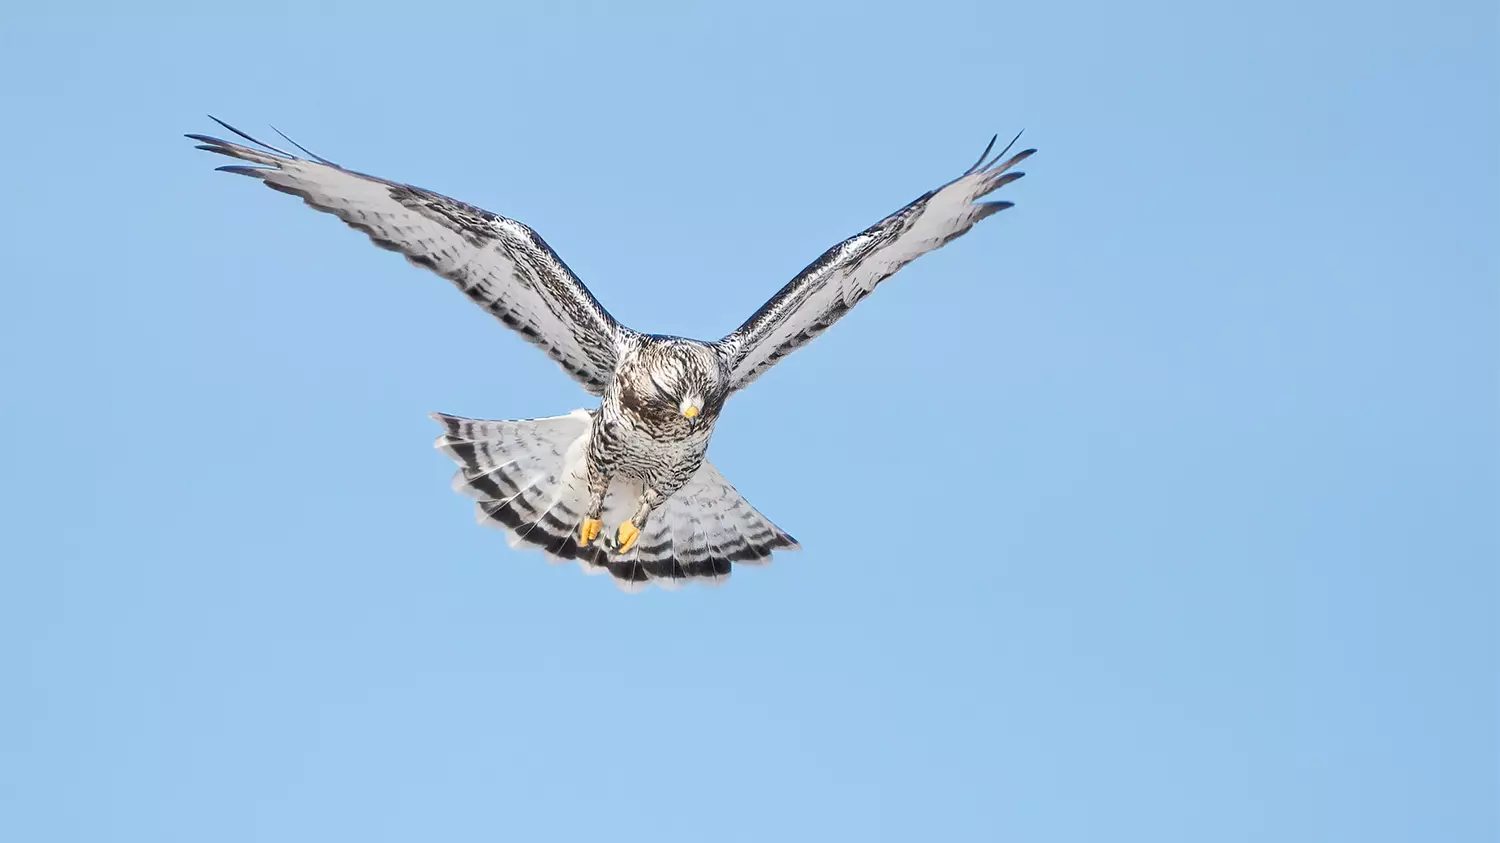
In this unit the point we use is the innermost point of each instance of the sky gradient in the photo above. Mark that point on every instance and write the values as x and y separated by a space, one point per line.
1214 407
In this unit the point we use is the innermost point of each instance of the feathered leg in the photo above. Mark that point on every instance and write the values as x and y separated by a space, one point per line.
630 530
598 488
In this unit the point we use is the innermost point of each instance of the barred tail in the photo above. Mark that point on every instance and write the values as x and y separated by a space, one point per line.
530 480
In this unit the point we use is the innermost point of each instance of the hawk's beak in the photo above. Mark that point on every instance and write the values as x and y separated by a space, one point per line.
691 412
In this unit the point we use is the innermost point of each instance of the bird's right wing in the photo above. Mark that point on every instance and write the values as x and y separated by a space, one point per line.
501 264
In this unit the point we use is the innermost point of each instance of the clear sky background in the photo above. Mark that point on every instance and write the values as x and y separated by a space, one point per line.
1214 407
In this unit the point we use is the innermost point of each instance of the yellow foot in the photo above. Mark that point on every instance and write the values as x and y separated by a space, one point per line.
589 530
627 536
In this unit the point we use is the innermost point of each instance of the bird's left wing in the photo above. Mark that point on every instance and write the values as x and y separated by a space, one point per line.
848 272
501 264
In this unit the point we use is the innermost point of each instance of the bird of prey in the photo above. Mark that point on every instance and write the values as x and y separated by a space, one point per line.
636 460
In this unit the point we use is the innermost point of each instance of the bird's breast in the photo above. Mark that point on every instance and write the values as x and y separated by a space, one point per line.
641 447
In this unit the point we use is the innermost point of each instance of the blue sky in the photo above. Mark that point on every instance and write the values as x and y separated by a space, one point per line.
1213 410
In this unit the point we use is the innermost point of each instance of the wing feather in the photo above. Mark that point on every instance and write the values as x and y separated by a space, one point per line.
499 263
849 271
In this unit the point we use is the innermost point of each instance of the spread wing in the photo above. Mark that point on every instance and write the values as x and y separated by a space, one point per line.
504 266
835 282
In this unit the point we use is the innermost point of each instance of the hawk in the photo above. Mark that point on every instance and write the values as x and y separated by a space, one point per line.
636 461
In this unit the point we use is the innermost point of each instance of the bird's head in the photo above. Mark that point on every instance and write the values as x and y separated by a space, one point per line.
676 380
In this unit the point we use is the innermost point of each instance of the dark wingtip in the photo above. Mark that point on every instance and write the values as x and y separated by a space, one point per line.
987 208
232 129
259 143
305 151
1001 154
983 155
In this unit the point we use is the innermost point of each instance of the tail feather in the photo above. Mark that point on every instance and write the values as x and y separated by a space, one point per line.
529 479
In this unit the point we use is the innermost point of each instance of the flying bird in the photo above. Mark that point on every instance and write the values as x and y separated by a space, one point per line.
635 462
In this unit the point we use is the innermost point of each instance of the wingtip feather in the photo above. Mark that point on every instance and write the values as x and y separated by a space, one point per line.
260 143
983 155
305 151
988 208
241 170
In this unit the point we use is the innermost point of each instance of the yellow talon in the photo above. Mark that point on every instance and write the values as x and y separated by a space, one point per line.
589 530
627 536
